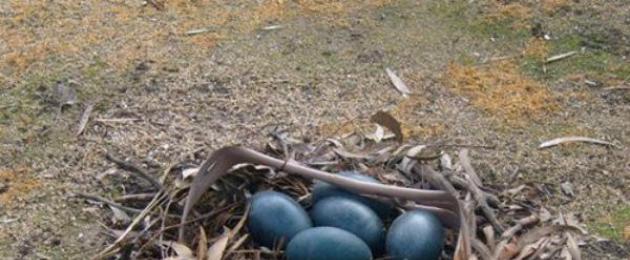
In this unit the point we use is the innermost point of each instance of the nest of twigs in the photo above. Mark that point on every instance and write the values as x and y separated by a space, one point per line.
197 209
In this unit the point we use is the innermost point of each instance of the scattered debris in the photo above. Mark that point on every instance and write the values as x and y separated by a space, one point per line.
385 119
567 189
560 56
398 83
378 134
618 88
84 118
273 27
215 252
571 139
182 251
198 31
190 172
593 83
5 220
156 4
457 196
120 217
65 95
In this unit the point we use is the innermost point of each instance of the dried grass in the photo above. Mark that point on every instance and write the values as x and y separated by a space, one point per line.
536 48
501 90
551 6
19 185
497 11
120 33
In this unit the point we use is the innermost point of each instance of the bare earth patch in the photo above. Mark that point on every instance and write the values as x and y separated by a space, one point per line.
192 76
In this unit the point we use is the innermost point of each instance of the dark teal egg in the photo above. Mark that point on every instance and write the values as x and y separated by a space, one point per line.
415 235
327 243
275 217
352 216
322 190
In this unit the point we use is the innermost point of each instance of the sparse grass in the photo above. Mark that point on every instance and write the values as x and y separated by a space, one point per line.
20 183
597 64
612 225
98 44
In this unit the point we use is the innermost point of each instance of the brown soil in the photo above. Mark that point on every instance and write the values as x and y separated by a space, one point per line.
476 70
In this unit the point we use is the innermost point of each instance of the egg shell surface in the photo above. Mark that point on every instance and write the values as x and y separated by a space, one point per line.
275 217
327 243
415 235
352 216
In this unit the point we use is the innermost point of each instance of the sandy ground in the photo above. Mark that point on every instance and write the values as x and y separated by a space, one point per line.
187 75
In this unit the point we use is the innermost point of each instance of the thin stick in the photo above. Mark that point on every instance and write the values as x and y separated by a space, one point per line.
142 173
481 198
132 197
480 146
113 248
108 202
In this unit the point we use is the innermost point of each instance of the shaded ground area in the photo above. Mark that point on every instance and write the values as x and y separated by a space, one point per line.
203 74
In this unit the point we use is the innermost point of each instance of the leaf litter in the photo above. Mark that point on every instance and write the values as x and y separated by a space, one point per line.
485 222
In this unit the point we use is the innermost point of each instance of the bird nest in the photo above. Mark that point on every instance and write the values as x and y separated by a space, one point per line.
198 208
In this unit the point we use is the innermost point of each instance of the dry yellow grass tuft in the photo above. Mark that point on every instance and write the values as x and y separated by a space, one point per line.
501 90
536 48
551 6
412 125
119 33
19 185
497 11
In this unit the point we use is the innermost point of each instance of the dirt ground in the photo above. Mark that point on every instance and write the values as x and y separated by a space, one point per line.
169 79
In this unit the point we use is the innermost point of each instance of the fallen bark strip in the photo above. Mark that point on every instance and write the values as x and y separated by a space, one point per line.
223 159
572 139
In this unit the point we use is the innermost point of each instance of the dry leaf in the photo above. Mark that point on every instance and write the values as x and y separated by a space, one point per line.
506 251
565 254
182 251
573 248
385 119
446 162
378 135
488 232
120 217
567 189
241 222
202 247
570 139
407 162
626 233
544 215
215 252
190 172
398 83
535 234
529 251
349 155
85 117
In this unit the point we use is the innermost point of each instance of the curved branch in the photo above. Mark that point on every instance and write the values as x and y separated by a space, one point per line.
219 162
